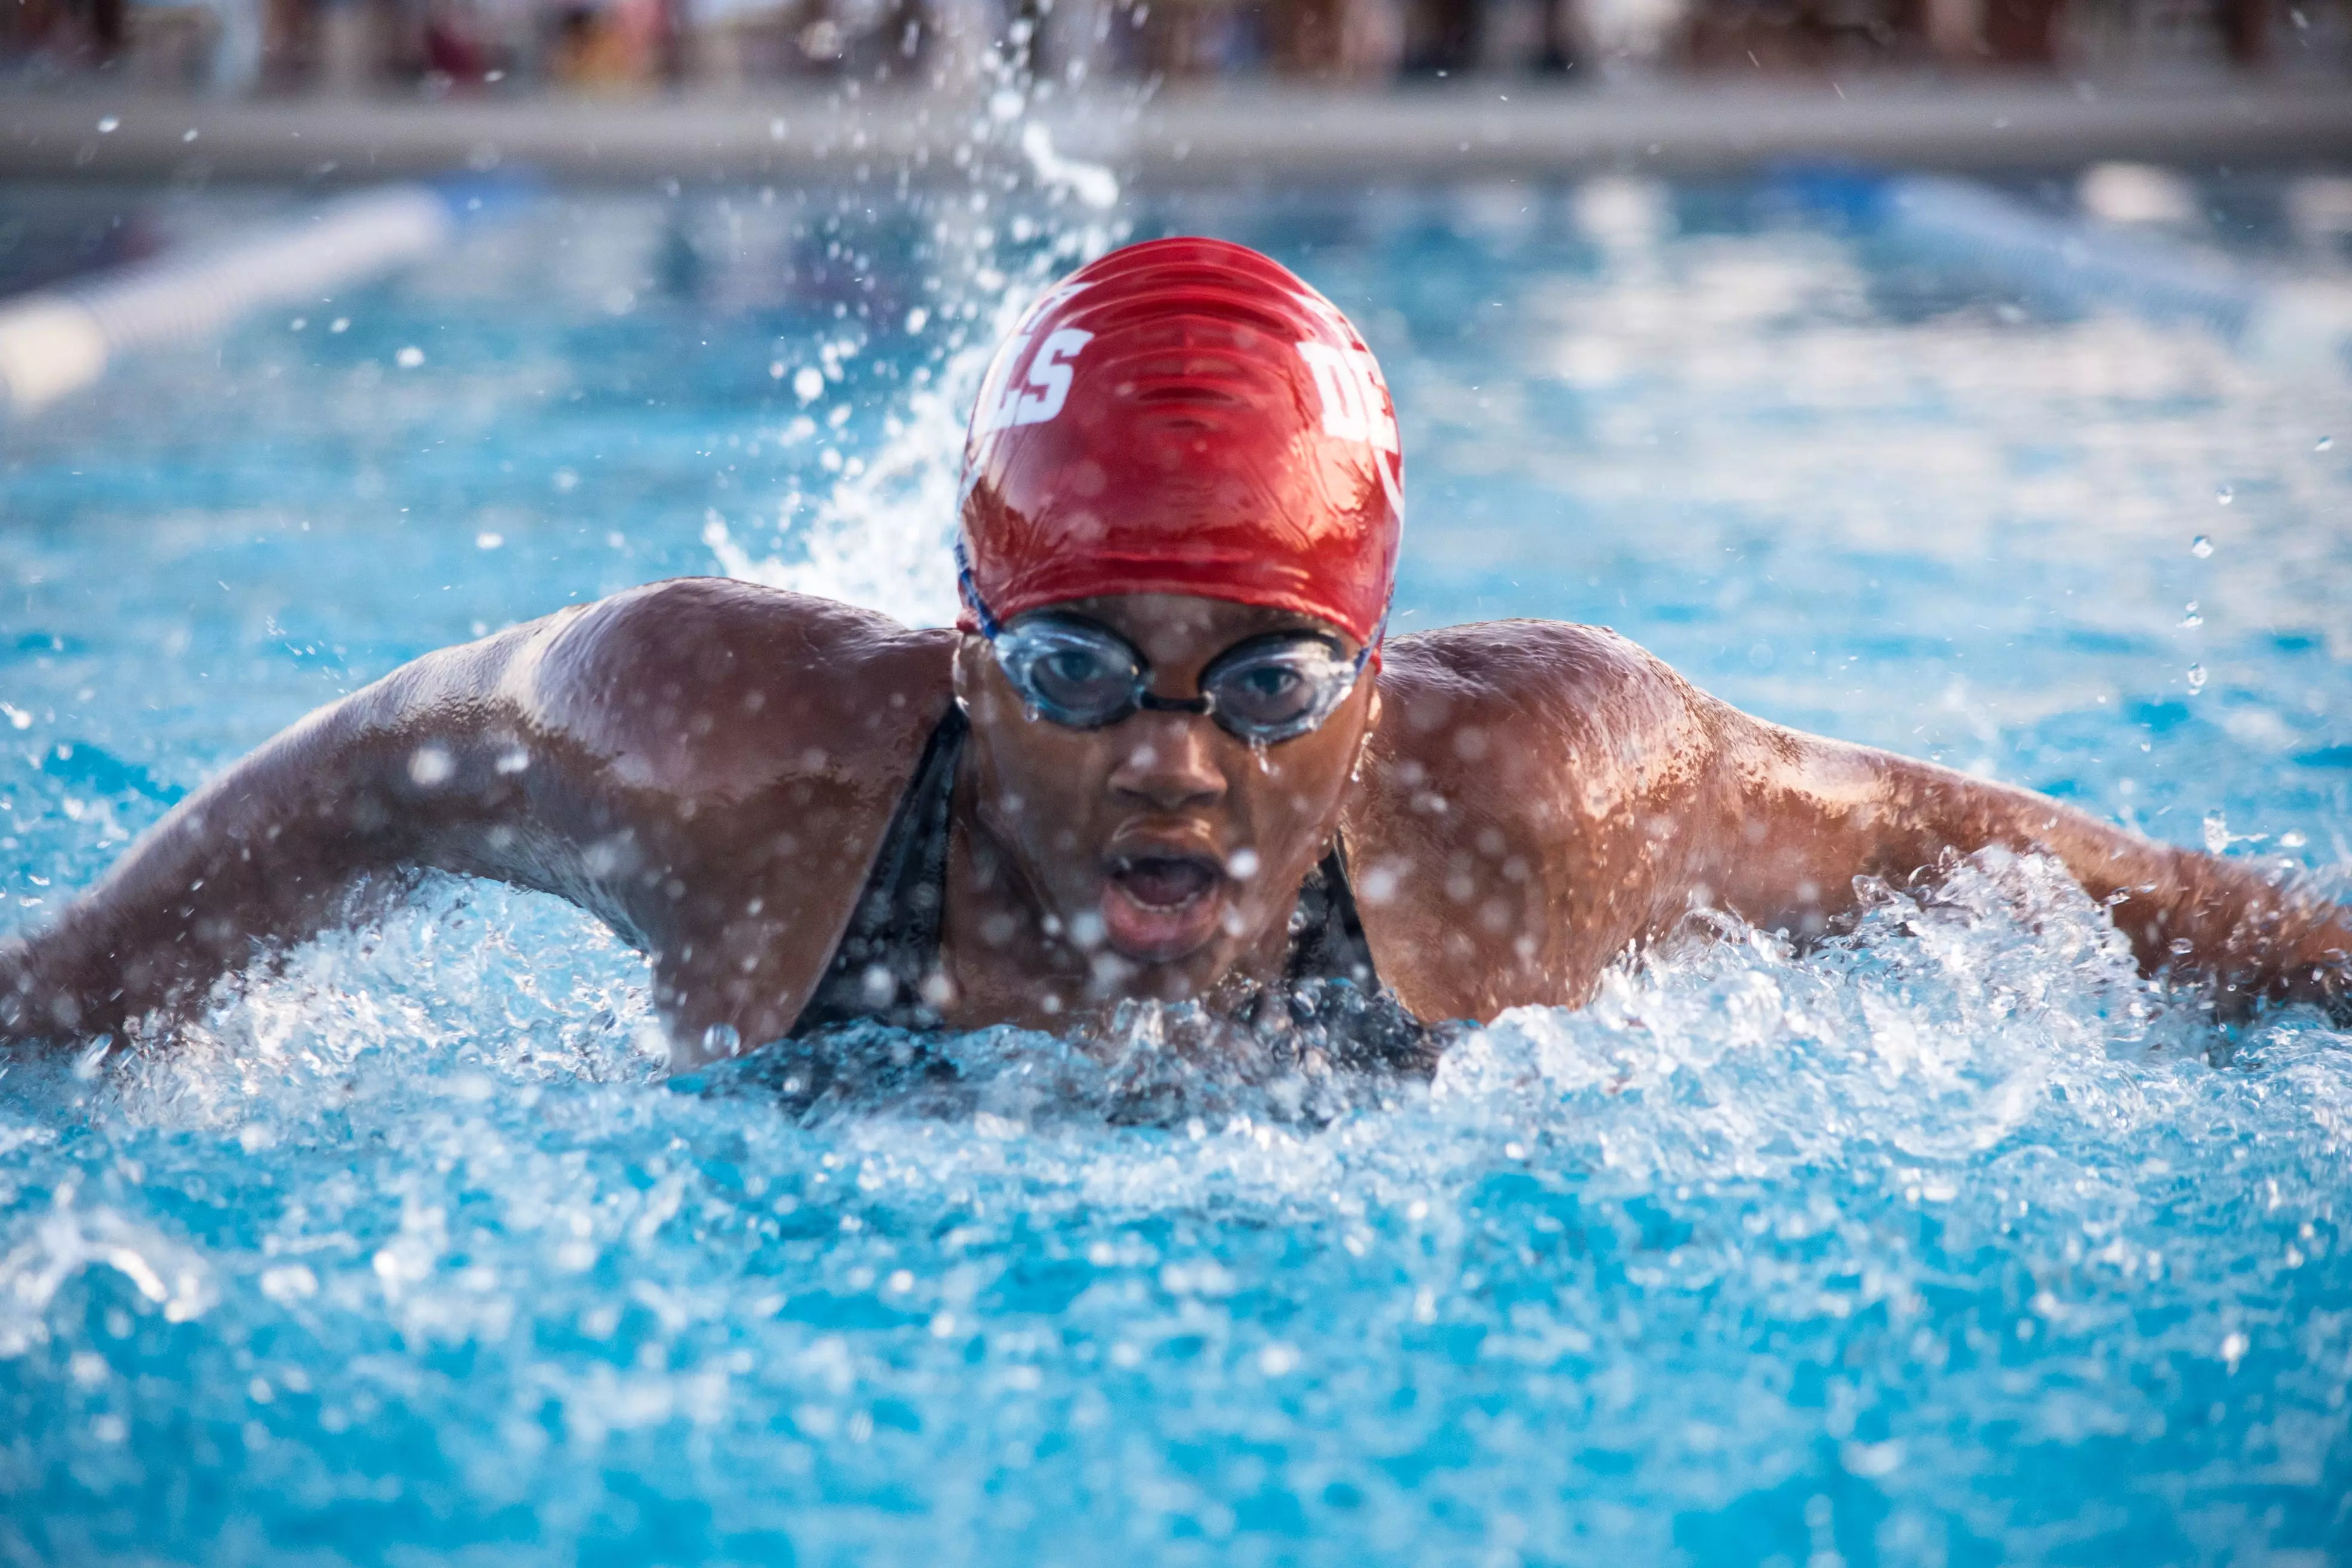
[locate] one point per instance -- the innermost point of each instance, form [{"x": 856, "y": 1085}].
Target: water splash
[
  {"x": 69, "y": 1238},
  {"x": 1091, "y": 184},
  {"x": 1740, "y": 1226},
  {"x": 880, "y": 535}
]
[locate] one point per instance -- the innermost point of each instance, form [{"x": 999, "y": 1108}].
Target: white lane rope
[
  {"x": 59, "y": 339},
  {"x": 2286, "y": 321}
]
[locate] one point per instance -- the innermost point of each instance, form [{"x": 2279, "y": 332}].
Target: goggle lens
[
  {"x": 1276, "y": 688},
  {"x": 1072, "y": 674}
]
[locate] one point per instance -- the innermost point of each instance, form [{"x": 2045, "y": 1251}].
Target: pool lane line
[
  {"x": 60, "y": 339},
  {"x": 2288, "y": 322}
]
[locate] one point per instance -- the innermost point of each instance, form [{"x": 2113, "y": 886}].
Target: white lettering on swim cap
[
  {"x": 1050, "y": 372},
  {"x": 1355, "y": 403},
  {"x": 1048, "y": 382},
  {"x": 996, "y": 414}
]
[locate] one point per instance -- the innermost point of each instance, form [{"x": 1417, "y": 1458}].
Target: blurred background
[{"x": 617, "y": 46}]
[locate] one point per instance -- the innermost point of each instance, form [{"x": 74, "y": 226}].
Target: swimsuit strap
[
  {"x": 1326, "y": 934},
  {"x": 892, "y": 945}
]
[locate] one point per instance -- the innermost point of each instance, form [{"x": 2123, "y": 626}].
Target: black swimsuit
[{"x": 891, "y": 950}]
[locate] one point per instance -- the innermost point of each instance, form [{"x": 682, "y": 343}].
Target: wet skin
[{"x": 710, "y": 767}]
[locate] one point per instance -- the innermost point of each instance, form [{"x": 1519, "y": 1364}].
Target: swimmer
[{"x": 1168, "y": 753}]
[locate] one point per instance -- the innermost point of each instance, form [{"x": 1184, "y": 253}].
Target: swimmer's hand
[
  {"x": 24, "y": 1011},
  {"x": 41, "y": 998},
  {"x": 50, "y": 995}
]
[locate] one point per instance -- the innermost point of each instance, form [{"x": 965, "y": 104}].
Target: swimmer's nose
[{"x": 1168, "y": 763}]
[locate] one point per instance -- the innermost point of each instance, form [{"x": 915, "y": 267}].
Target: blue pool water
[{"x": 1956, "y": 1243}]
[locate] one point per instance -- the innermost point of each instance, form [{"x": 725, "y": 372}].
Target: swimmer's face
[{"x": 1161, "y": 842}]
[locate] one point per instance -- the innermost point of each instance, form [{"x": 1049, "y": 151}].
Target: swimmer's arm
[
  {"x": 1804, "y": 816},
  {"x": 428, "y": 768}
]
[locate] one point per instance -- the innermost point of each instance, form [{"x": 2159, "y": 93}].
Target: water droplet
[
  {"x": 2200, "y": 547},
  {"x": 410, "y": 357},
  {"x": 188, "y": 135},
  {"x": 808, "y": 383},
  {"x": 2225, "y": 495},
  {"x": 2191, "y": 619},
  {"x": 2196, "y": 677},
  {"x": 2325, "y": 443},
  {"x": 108, "y": 126}
]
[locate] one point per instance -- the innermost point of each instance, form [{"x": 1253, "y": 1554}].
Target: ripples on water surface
[{"x": 1954, "y": 1243}]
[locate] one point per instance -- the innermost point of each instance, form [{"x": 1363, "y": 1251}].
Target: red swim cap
[{"x": 1184, "y": 416}]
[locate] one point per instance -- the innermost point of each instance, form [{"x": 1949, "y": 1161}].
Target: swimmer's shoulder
[
  {"x": 1497, "y": 842},
  {"x": 1436, "y": 687},
  {"x": 1529, "y": 727},
  {"x": 713, "y": 689}
]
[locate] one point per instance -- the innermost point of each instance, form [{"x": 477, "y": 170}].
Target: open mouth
[
  {"x": 1157, "y": 907},
  {"x": 1164, "y": 881}
]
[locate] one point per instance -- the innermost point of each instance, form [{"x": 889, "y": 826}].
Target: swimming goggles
[{"x": 1082, "y": 675}]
